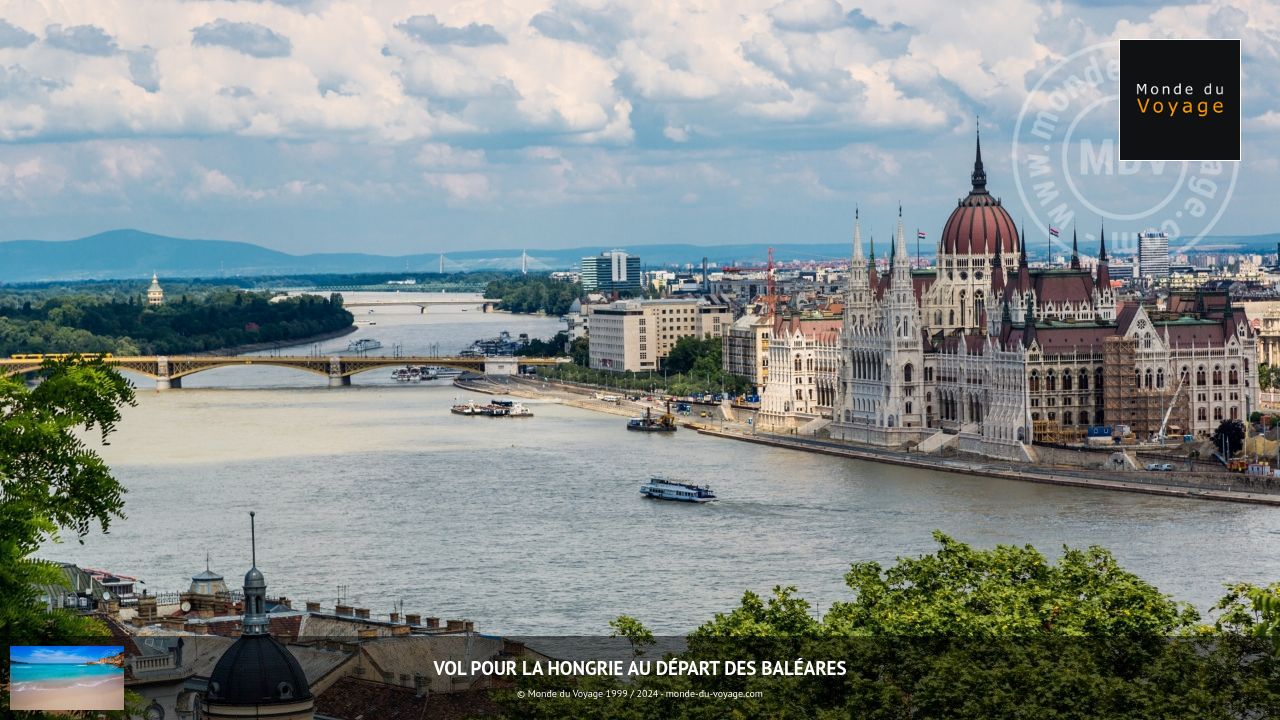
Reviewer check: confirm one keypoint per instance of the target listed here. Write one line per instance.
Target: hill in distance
(125, 254)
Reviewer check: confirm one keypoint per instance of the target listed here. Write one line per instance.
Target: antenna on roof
(253, 539)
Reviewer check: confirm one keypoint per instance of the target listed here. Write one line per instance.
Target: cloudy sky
(396, 126)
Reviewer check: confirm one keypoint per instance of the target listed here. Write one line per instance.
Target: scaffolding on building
(1140, 405)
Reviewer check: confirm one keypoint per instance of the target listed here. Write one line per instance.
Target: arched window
(1149, 375)
(1200, 375)
(951, 317)
(1084, 379)
(907, 372)
(1217, 413)
(937, 317)
(1217, 374)
(1050, 382)
(1201, 415)
(1066, 418)
(799, 364)
(1066, 380)
(1160, 378)
(1035, 381)
(1232, 376)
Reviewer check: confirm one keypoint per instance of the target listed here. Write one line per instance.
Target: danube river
(535, 526)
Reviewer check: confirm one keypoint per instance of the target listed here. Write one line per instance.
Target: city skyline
(328, 125)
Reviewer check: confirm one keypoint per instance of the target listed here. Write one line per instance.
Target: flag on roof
(1053, 231)
(920, 235)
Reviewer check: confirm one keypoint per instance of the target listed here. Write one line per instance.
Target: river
(535, 526)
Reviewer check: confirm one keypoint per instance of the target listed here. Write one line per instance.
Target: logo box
(1180, 100)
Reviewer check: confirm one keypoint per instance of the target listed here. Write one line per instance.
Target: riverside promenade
(1194, 486)
(1050, 475)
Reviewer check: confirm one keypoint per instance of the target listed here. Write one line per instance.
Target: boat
(663, 489)
(666, 422)
(502, 345)
(509, 408)
(363, 345)
(467, 408)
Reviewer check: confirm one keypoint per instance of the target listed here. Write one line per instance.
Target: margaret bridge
(168, 371)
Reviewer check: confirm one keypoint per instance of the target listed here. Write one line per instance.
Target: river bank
(1202, 486)
(259, 347)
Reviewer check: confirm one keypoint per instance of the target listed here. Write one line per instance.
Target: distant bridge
(168, 371)
(487, 304)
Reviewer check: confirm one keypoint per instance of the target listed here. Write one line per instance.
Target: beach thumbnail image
(66, 677)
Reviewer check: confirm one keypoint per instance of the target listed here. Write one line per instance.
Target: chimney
(433, 622)
(313, 607)
(343, 610)
(413, 619)
(454, 625)
(362, 613)
(468, 625)
(395, 617)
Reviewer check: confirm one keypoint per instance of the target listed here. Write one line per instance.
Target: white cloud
(461, 188)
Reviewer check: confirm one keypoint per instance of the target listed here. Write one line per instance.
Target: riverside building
(986, 353)
(635, 335)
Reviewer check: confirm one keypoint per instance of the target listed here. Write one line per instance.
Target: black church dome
(257, 670)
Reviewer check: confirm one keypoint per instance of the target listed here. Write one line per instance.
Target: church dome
(979, 220)
(257, 670)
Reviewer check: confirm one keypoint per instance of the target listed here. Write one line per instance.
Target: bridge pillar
(336, 378)
(163, 379)
(501, 366)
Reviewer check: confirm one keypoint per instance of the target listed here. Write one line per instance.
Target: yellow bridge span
(168, 371)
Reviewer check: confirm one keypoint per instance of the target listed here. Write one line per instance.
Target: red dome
(982, 218)
(979, 219)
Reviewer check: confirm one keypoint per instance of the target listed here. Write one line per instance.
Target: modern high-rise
(612, 272)
(1153, 254)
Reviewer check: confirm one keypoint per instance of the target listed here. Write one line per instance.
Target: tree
(1230, 433)
(634, 631)
(51, 482)
(969, 633)
(580, 351)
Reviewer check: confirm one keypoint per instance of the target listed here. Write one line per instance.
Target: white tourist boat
(663, 489)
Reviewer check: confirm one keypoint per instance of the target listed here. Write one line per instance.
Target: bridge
(424, 303)
(168, 371)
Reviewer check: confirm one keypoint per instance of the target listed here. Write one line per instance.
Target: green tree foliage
(51, 482)
(580, 351)
(201, 322)
(1230, 433)
(533, 293)
(554, 347)
(1266, 377)
(965, 633)
(693, 367)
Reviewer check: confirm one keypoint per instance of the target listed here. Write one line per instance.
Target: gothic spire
(1075, 249)
(1104, 267)
(979, 175)
(857, 237)
(997, 266)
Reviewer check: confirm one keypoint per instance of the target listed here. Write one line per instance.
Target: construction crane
(1160, 436)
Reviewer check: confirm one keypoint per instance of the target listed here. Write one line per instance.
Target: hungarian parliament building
(998, 354)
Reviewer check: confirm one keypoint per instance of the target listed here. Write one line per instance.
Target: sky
(63, 654)
(400, 127)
